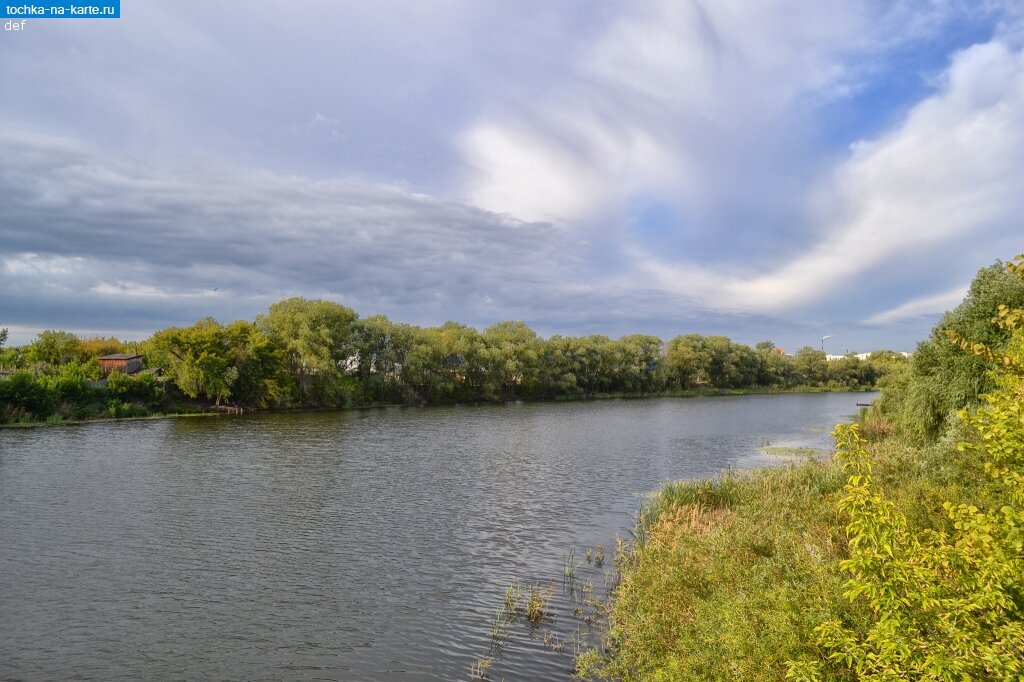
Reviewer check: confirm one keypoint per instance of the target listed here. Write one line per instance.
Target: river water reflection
(364, 545)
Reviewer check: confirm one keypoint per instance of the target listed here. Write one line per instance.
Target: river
(362, 545)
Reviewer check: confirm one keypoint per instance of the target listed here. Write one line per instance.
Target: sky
(778, 170)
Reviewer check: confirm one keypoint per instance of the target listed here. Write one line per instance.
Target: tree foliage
(307, 353)
(942, 378)
(944, 605)
(317, 338)
(197, 358)
(55, 348)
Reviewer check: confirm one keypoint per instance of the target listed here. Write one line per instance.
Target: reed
(537, 599)
(569, 566)
(480, 667)
(513, 600)
(501, 618)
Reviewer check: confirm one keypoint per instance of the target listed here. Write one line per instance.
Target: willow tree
(318, 343)
(198, 359)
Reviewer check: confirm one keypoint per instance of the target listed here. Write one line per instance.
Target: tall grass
(726, 578)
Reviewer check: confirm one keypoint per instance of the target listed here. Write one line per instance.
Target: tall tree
(317, 338)
(259, 360)
(687, 361)
(639, 358)
(198, 358)
(812, 365)
(512, 353)
(55, 348)
(382, 348)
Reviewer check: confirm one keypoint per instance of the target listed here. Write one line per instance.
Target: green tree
(259, 361)
(945, 605)
(425, 370)
(318, 344)
(55, 348)
(943, 379)
(812, 366)
(639, 362)
(577, 367)
(687, 361)
(99, 347)
(70, 383)
(774, 368)
(382, 348)
(512, 352)
(730, 365)
(141, 388)
(199, 359)
(851, 371)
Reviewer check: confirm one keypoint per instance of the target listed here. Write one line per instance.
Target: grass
(480, 667)
(787, 451)
(537, 598)
(513, 599)
(569, 566)
(726, 579)
(498, 622)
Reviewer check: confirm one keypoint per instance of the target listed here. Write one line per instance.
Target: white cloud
(925, 305)
(950, 171)
(569, 176)
(685, 99)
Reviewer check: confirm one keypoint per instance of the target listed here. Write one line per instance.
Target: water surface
(369, 545)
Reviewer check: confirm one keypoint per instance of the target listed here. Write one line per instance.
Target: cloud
(81, 225)
(695, 99)
(924, 306)
(652, 165)
(94, 243)
(949, 173)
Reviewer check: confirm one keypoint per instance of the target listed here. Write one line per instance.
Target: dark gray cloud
(258, 234)
(110, 246)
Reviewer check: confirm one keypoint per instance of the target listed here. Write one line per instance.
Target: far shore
(689, 393)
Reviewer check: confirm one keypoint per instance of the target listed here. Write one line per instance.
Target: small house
(120, 362)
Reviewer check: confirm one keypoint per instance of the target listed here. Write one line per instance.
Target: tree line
(316, 353)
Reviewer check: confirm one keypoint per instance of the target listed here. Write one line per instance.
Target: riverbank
(728, 578)
(195, 410)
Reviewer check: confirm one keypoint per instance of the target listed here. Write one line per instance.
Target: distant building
(862, 356)
(120, 362)
(779, 351)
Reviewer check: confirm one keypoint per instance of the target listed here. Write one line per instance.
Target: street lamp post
(823, 342)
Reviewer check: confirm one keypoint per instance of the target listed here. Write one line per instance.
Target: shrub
(143, 388)
(23, 395)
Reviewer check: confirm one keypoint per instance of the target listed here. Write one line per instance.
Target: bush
(22, 395)
(142, 388)
(946, 597)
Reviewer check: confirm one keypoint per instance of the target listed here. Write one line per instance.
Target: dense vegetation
(310, 353)
(901, 559)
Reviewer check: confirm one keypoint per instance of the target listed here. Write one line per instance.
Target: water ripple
(363, 546)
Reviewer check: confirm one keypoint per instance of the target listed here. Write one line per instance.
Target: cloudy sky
(763, 169)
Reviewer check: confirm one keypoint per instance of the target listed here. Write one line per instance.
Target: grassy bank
(728, 579)
(901, 558)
